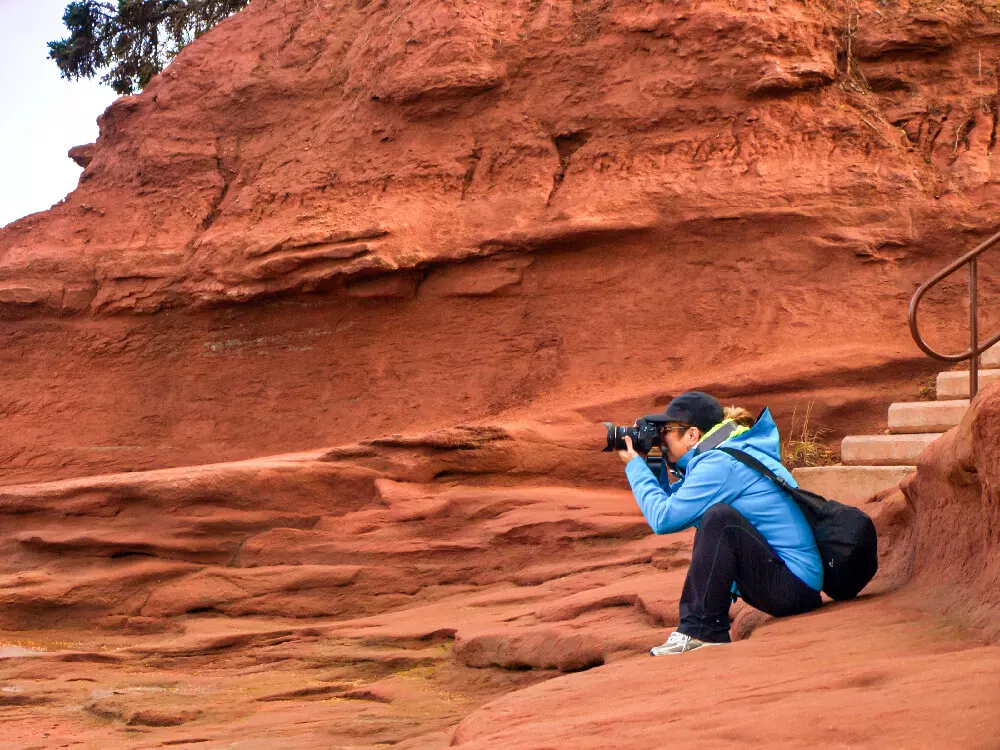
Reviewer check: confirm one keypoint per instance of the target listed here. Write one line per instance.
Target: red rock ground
(440, 588)
(449, 239)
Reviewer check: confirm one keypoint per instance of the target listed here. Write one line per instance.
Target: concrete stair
(885, 450)
(990, 359)
(871, 463)
(846, 483)
(926, 416)
(952, 385)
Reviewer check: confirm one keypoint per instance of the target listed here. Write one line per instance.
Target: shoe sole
(652, 652)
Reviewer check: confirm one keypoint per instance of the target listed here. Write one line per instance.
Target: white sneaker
(678, 643)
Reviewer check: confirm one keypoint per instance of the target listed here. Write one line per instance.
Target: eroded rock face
(82, 155)
(356, 219)
(303, 147)
(340, 532)
(421, 586)
(957, 510)
(394, 584)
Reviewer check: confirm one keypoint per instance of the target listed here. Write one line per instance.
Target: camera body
(645, 436)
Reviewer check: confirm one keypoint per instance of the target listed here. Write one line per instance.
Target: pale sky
(42, 115)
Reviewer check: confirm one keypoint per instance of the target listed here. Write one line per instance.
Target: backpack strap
(753, 463)
(712, 442)
(717, 438)
(808, 501)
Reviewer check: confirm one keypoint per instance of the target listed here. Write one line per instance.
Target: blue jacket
(715, 477)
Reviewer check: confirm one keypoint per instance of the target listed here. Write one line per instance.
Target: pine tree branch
(132, 40)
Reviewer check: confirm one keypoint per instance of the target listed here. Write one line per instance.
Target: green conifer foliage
(132, 40)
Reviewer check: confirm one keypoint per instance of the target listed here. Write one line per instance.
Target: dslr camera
(645, 436)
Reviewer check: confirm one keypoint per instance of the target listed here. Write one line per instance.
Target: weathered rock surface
(422, 581)
(302, 146)
(322, 194)
(956, 499)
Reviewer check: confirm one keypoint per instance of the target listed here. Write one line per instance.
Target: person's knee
(719, 516)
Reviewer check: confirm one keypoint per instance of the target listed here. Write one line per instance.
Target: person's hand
(629, 453)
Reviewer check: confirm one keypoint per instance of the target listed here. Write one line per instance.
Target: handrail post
(973, 327)
(975, 348)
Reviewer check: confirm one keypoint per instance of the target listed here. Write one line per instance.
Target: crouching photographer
(752, 539)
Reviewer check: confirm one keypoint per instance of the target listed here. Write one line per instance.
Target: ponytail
(739, 415)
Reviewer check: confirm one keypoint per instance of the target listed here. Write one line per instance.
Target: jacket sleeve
(672, 509)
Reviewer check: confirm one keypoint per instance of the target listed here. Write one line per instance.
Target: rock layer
(309, 147)
(315, 197)
(957, 509)
(408, 589)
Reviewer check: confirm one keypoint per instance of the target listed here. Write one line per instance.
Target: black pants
(728, 548)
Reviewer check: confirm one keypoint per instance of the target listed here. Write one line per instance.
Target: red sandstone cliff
(360, 224)
(323, 195)
(316, 146)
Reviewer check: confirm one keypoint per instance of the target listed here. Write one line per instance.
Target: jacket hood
(762, 437)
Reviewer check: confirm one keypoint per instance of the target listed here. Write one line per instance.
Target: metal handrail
(975, 349)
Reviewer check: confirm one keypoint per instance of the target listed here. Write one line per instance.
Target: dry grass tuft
(804, 447)
(927, 390)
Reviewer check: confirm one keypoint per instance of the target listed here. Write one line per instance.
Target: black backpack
(844, 534)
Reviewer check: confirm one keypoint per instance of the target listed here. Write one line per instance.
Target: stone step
(990, 358)
(926, 416)
(954, 385)
(884, 450)
(850, 483)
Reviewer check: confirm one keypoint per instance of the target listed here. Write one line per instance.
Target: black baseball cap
(693, 408)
